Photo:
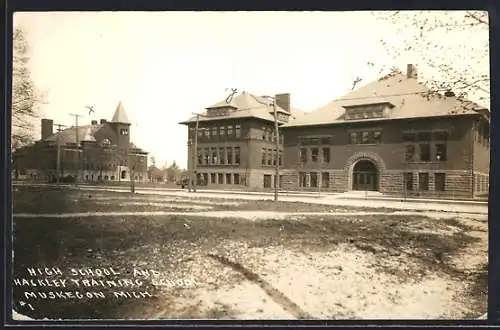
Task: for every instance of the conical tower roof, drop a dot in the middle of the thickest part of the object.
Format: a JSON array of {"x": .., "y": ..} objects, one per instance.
[{"x": 120, "y": 115}]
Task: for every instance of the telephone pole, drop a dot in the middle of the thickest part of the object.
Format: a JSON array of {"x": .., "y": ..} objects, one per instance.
[
  {"x": 77, "y": 145},
  {"x": 277, "y": 146},
  {"x": 192, "y": 183},
  {"x": 194, "y": 152},
  {"x": 58, "y": 142}
]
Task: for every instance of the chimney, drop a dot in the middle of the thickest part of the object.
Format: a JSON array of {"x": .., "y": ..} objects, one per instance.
[
  {"x": 411, "y": 71},
  {"x": 283, "y": 101},
  {"x": 103, "y": 121},
  {"x": 47, "y": 126},
  {"x": 94, "y": 122}
]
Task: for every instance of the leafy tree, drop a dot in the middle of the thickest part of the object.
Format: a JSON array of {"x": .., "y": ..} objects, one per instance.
[
  {"x": 452, "y": 46},
  {"x": 25, "y": 97}
]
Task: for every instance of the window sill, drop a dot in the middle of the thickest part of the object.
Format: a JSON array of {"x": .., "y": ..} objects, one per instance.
[
  {"x": 426, "y": 162},
  {"x": 218, "y": 164}
]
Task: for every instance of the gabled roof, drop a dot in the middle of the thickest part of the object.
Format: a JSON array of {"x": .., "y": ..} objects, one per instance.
[
  {"x": 410, "y": 98},
  {"x": 120, "y": 115},
  {"x": 243, "y": 105}
]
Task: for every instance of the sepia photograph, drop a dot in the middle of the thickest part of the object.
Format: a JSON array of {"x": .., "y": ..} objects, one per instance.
[{"x": 250, "y": 165}]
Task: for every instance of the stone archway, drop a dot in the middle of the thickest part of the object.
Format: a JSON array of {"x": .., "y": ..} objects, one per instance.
[
  {"x": 365, "y": 176},
  {"x": 369, "y": 165}
]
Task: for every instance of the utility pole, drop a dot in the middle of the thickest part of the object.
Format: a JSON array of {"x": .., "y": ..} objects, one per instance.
[
  {"x": 58, "y": 162},
  {"x": 194, "y": 152},
  {"x": 277, "y": 145},
  {"x": 77, "y": 145}
]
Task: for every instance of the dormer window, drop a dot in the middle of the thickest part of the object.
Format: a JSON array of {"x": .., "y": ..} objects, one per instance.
[
  {"x": 219, "y": 111},
  {"x": 367, "y": 111}
]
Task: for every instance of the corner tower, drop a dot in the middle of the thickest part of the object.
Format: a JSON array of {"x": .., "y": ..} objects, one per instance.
[{"x": 121, "y": 125}]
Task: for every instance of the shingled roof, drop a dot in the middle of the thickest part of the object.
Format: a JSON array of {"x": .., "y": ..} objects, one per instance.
[
  {"x": 85, "y": 133},
  {"x": 244, "y": 105},
  {"x": 410, "y": 99},
  {"x": 120, "y": 115}
]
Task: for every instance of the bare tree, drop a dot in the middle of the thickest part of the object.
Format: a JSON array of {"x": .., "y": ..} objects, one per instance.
[
  {"x": 453, "y": 46},
  {"x": 25, "y": 97}
]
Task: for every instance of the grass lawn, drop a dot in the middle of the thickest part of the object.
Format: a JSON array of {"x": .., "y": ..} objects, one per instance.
[{"x": 304, "y": 266}]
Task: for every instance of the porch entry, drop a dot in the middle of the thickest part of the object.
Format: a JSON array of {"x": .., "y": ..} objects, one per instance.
[{"x": 365, "y": 176}]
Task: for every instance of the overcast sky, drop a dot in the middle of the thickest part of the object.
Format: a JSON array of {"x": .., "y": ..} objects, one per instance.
[{"x": 163, "y": 66}]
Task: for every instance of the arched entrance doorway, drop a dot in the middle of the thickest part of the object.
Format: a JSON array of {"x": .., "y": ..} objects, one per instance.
[{"x": 365, "y": 176}]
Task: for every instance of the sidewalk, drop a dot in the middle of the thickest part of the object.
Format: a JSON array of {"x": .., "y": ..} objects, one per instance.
[
  {"x": 372, "y": 199},
  {"x": 324, "y": 200}
]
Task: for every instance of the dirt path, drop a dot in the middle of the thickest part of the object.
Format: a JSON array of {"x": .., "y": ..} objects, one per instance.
[{"x": 250, "y": 215}]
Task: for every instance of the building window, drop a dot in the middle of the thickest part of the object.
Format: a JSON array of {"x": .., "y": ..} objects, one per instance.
[
  {"x": 206, "y": 132},
  {"x": 314, "y": 180},
  {"x": 377, "y": 137},
  {"x": 228, "y": 178},
  {"x": 236, "y": 178},
  {"x": 221, "y": 131},
  {"x": 264, "y": 133},
  {"x": 124, "y": 131},
  {"x": 478, "y": 183},
  {"x": 237, "y": 153},
  {"x": 425, "y": 152},
  {"x": 280, "y": 158},
  {"x": 303, "y": 155},
  {"x": 409, "y": 152},
  {"x": 365, "y": 137},
  {"x": 282, "y": 177},
  {"x": 237, "y": 131},
  {"x": 408, "y": 137},
  {"x": 200, "y": 134},
  {"x": 441, "y": 152},
  {"x": 274, "y": 157},
  {"x": 439, "y": 181},
  {"x": 423, "y": 181},
  {"x": 220, "y": 176},
  {"x": 229, "y": 155},
  {"x": 222, "y": 156},
  {"x": 200, "y": 157},
  {"x": 213, "y": 178},
  {"x": 270, "y": 135},
  {"x": 408, "y": 181},
  {"x": 354, "y": 137},
  {"x": 267, "y": 181},
  {"x": 214, "y": 132},
  {"x": 269, "y": 157},
  {"x": 207, "y": 156},
  {"x": 264, "y": 157},
  {"x": 302, "y": 180},
  {"x": 214, "y": 155},
  {"x": 325, "y": 179},
  {"x": 326, "y": 155},
  {"x": 314, "y": 155},
  {"x": 230, "y": 130}
]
